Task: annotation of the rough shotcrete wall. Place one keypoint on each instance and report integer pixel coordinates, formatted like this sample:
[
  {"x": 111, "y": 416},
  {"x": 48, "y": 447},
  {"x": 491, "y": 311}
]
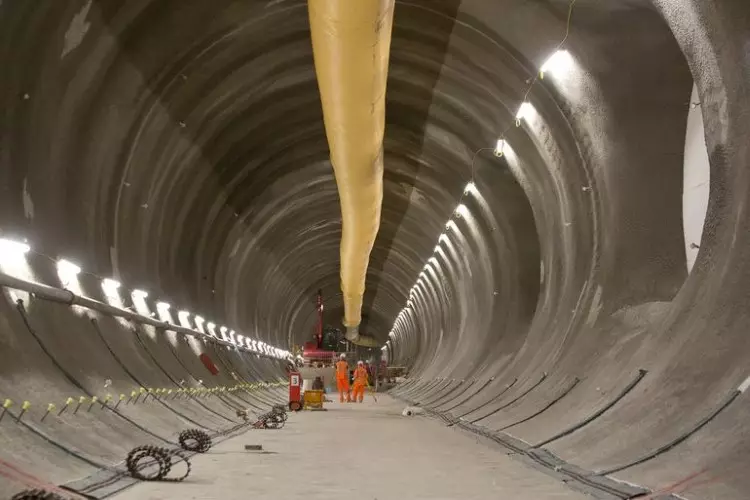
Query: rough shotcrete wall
[
  {"x": 629, "y": 368},
  {"x": 179, "y": 145}
]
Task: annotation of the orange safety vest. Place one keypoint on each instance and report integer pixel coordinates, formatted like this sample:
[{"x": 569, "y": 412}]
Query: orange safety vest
[
  {"x": 342, "y": 369},
  {"x": 361, "y": 375}
]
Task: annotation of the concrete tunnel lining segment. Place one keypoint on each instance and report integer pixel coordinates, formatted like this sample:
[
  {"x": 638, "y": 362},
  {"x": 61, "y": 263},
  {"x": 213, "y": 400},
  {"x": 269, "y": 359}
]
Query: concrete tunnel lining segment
[{"x": 180, "y": 145}]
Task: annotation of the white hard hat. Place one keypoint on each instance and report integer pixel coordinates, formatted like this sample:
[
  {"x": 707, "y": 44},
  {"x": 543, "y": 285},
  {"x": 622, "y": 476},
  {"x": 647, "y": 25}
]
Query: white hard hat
[
  {"x": 343, "y": 356},
  {"x": 360, "y": 362}
]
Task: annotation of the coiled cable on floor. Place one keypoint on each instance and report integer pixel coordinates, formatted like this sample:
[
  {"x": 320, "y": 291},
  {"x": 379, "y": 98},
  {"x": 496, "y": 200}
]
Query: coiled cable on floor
[
  {"x": 37, "y": 494},
  {"x": 156, "y": 455},
  {"x": 195, "y": 440}
]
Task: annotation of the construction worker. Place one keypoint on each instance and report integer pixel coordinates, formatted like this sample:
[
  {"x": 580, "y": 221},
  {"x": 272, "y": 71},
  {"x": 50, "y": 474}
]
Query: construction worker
[
  {"x": 342, "y": 378},
  {"x": 360, "y": 382}
]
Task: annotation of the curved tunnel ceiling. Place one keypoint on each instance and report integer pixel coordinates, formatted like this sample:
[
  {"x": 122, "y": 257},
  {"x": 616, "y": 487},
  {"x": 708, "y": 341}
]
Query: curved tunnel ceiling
[{"x": 180, "y": 144}]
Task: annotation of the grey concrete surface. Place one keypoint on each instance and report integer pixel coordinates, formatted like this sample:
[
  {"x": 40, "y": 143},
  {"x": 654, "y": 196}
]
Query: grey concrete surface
[
  {"x": 178, "y": 146},
  {"x": 367, "y": 451}
]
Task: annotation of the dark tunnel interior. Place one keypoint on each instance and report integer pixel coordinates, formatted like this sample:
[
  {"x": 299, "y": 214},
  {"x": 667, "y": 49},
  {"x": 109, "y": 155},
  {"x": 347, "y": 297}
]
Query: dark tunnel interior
[{"x": 535, "y": 274}]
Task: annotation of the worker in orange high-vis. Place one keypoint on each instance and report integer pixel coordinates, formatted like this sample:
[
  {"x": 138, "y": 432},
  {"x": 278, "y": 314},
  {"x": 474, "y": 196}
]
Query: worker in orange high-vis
[
  {"x": 360, "y": 382},
  {"x": 342, "y": 378}
]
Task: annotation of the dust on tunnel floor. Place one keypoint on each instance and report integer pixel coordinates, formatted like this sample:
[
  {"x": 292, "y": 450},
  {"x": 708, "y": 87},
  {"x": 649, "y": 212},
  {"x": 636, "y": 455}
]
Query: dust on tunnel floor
[{"x": 368, "y": 450}]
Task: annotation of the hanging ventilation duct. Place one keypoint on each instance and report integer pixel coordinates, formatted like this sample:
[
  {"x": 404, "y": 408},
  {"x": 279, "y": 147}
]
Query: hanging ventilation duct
[{"x": 351, "y": 43}]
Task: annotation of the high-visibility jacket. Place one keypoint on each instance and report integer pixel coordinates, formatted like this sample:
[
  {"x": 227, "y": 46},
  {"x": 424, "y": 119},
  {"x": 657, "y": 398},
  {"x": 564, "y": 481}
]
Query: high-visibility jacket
[
  {"x": 360, "y": 375},
  {"x": 342, "y": 369}
]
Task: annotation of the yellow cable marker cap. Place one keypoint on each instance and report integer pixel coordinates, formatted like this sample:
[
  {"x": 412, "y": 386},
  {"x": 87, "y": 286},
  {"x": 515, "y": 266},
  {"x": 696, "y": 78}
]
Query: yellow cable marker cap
[
  {"x": 7, "y": 403},
  {"x": 69, "y": 401},
  {"x": 26, "y": 405},
  {"x": 94, "y": 399},
  {"x": 122, "y": 396},
  {"x": 82, "y": 399},
  {"x": 51, "y": 407}
]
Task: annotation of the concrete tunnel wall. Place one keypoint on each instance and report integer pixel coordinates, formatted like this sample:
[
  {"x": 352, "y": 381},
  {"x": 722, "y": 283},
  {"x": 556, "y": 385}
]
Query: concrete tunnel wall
[{"x": 179, "y": 145}]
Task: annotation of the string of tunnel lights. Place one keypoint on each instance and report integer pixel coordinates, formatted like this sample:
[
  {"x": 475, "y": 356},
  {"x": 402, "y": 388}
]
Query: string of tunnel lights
[
  {"x": 13, "y": 258},
  {"x": 557, "y": 63}
]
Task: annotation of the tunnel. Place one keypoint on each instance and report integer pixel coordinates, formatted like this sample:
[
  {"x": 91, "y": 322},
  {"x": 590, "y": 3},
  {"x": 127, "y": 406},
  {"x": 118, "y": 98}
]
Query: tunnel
[{"x": 559, "y": 265}]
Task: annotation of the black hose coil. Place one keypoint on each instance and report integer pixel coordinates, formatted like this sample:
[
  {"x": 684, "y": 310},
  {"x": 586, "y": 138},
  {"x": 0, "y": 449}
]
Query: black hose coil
[
  {"x": 195, "y": 440},
  {"x": 157, "y": 455},
  {"x": 36, "y": 495}
]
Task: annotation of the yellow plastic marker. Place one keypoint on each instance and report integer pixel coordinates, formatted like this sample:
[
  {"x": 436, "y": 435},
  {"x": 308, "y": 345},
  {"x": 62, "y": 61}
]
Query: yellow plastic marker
[
  {"x": 50, "y": 408},
  {"x": 24, "y": 407},
  {"x": 6, "y": 404},
  {"x": 81, "y": 400}
]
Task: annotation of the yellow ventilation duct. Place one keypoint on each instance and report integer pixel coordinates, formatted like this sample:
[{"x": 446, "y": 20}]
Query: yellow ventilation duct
[{"x": 351, "y": 42}]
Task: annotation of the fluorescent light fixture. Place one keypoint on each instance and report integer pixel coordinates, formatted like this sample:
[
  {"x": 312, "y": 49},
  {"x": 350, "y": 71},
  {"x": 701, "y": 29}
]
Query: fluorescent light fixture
[
  {"x": 524, "y": 111},
  {"x": 433, "y": 260},
  {"x": 500, "y": 147},
  {"x": 183, "y": 318},
  {"x": 139, "y": 294},
  {"x": 443, "y": 238},
  {"x": 199, "y": 323},
  {"x": 67, "y": 268},
  {"x": 13, "y": 248},
  {"x": 110, "y": 284},
  {"x": 558, "y": 64},
  {"x": 470, "y": 188},
  {"x": 164, "y": 314},
  {"x": 462, "y": 210},
  {"x": 452, "y": 225}
]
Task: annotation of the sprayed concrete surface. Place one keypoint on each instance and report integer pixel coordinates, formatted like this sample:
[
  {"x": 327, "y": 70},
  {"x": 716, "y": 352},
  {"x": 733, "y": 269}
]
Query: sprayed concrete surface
[{"x": 367, "y": 450}]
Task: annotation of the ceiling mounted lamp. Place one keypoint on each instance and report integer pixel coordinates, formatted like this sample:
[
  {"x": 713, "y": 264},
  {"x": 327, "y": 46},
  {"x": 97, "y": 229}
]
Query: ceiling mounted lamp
[
  {"x": 471, "y": 188},
  {"x": 110, "y": 285},
  {"x": 12, "y": 249},
  {"x": 558, "y": 64},
  {"x": 67, "y": 268},
  {"x": 524, "y": 112}
]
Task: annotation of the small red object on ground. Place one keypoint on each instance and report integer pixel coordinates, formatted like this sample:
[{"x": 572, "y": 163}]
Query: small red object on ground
[{"x": 295, "y": 388}]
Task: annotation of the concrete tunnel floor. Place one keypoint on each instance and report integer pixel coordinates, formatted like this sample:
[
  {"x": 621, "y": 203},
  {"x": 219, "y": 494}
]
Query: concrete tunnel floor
[{"x": 368, "y": 451}]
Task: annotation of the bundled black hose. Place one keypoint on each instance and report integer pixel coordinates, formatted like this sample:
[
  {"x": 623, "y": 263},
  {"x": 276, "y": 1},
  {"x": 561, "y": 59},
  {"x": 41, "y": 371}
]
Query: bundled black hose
[
  {"x": 156, "y": 456},
  {"x": 275, "y": 421},
  {"x": 36, "y": 495},
  {"x": 195, "y": 440}
]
